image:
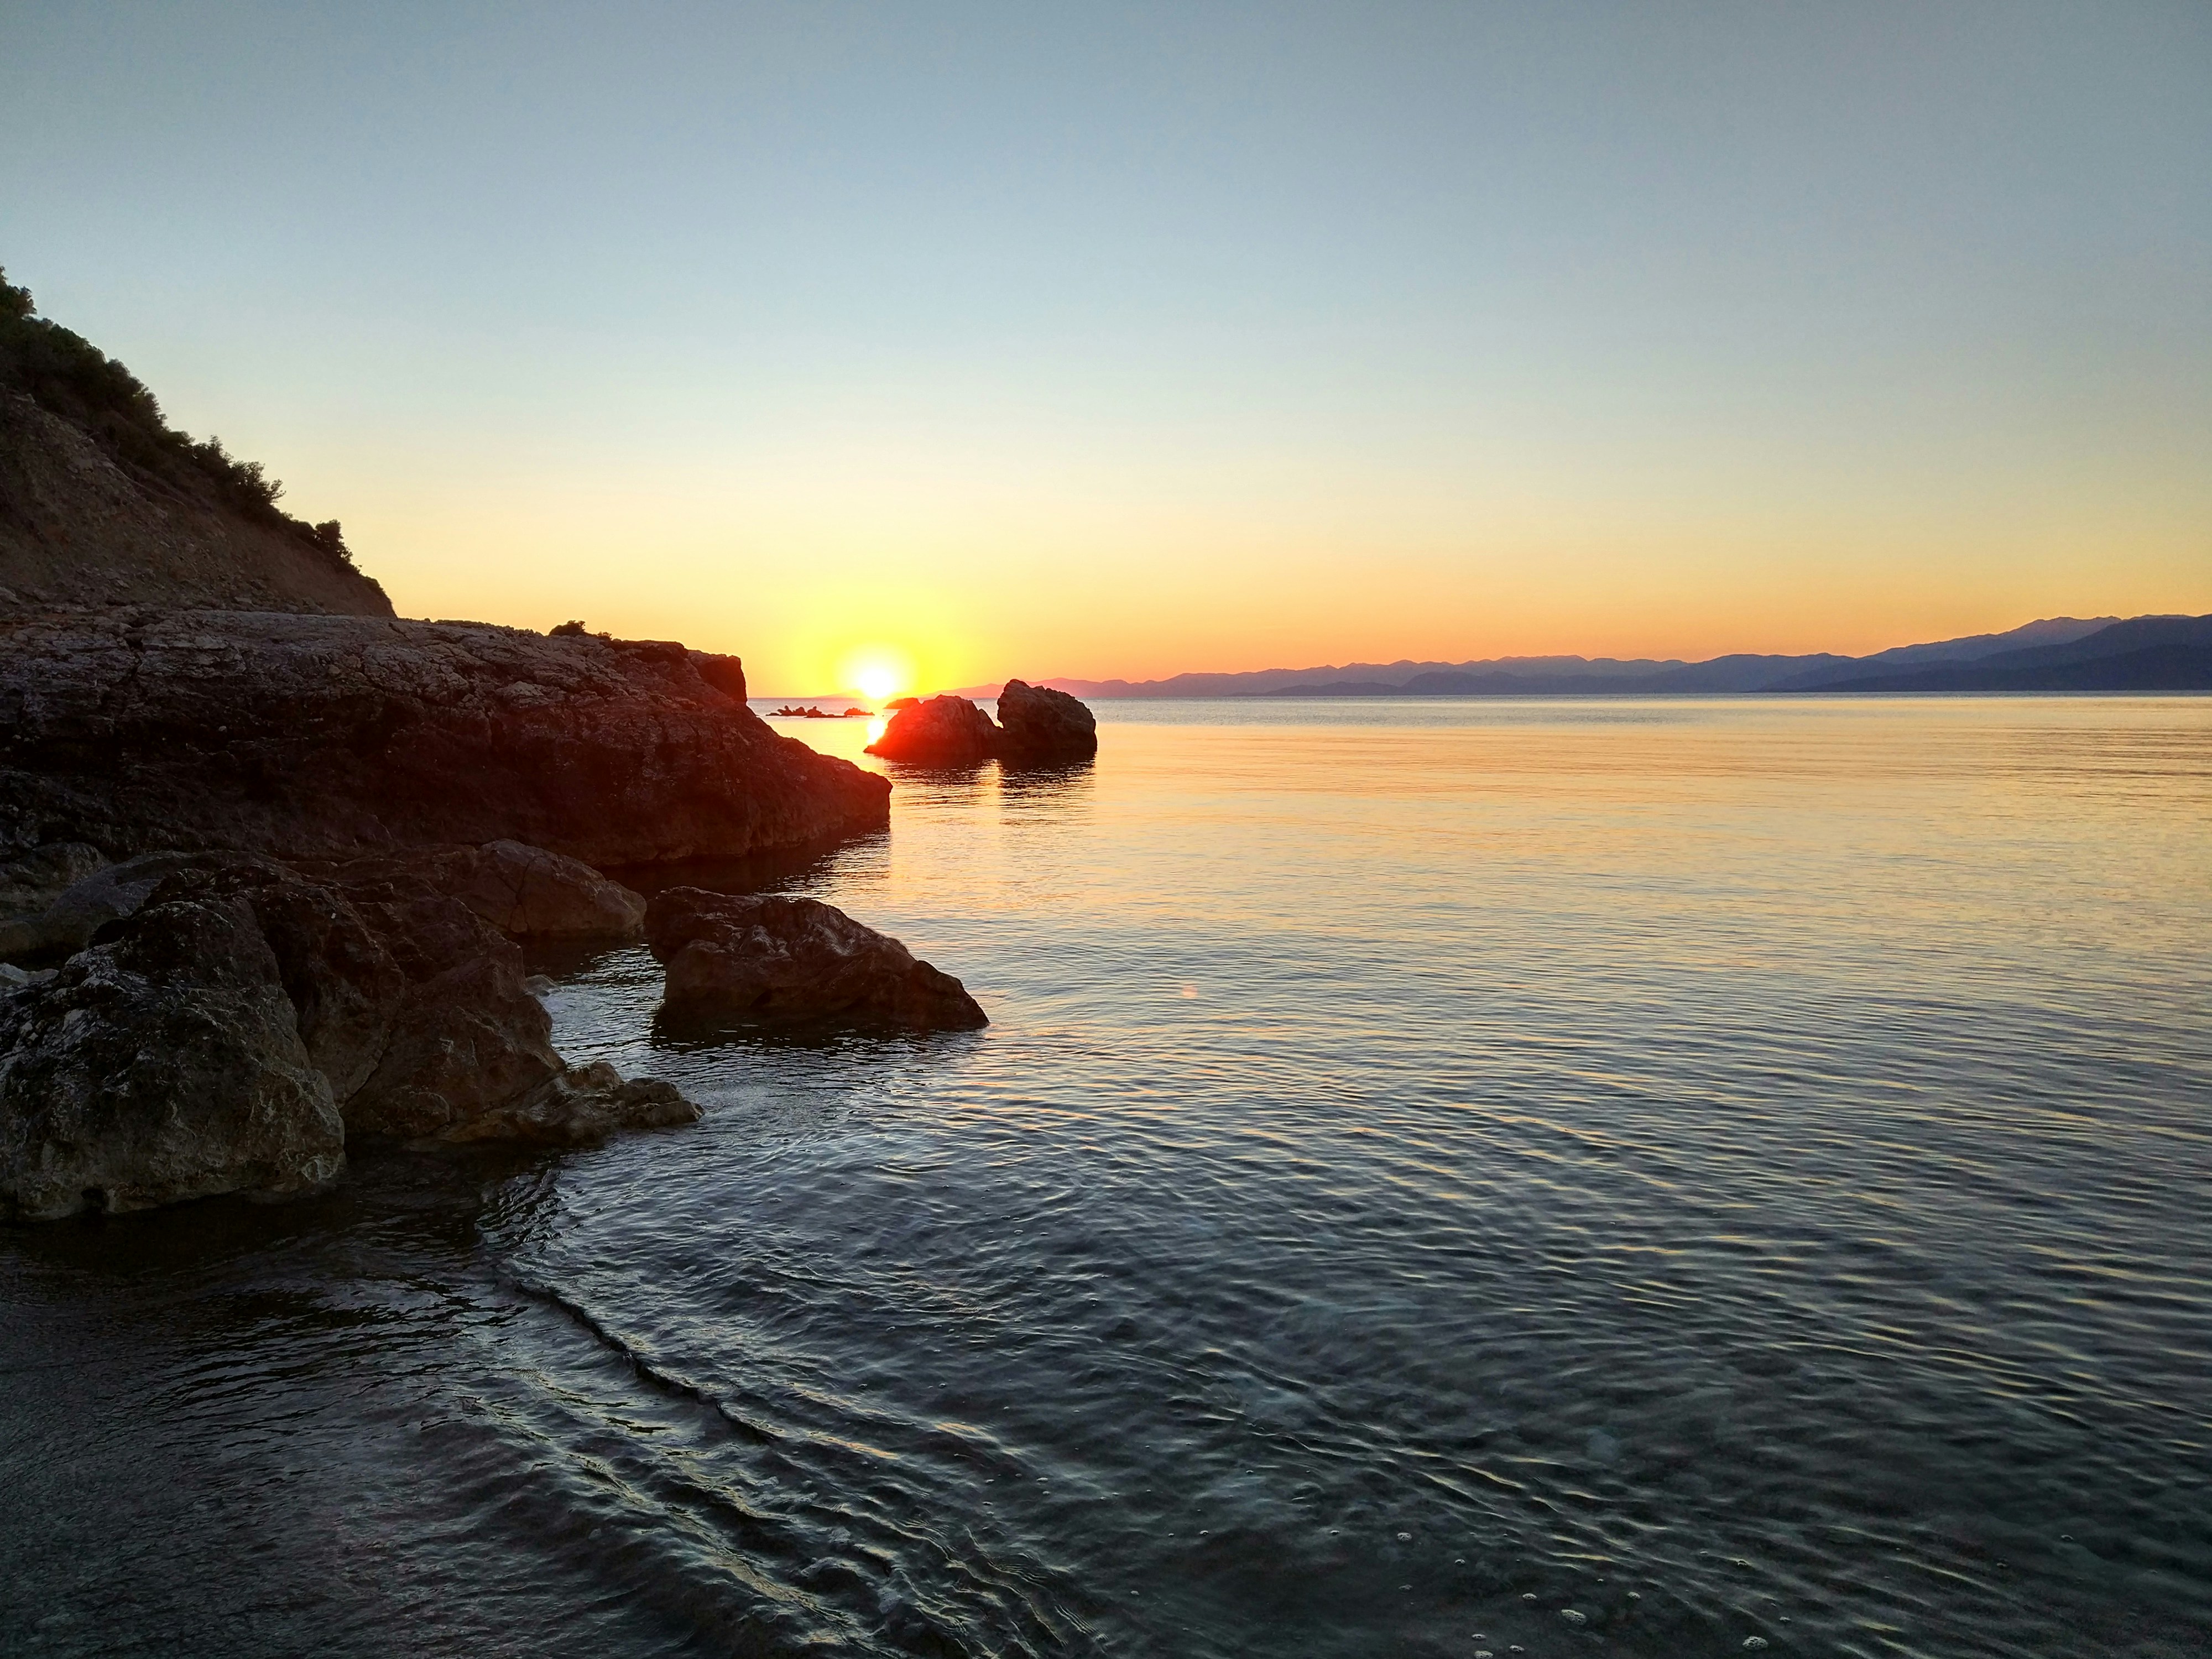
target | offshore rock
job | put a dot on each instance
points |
(1044, 727)
(162, 1066)
(945, 730)
(777, 960)
(326, 737)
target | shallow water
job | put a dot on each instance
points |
(1722, 1169)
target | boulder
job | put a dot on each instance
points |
(945, 730)
(1041, 726)
(330, 737)
(777, 960)
(35, 878)
(235, 1030)
(525, 892)
(581, 1106)
(161, 1066)
(81, 909)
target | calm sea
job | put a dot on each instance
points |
(1655, 1177)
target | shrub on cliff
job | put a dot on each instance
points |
(67, 375)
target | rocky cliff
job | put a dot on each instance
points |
(320, 737)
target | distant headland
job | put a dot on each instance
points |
(2059, 653)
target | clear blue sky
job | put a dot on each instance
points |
(1125, 339)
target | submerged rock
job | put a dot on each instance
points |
(945, 730)
(243, 1023)
(162, 1066)
(1044, 727)
(778, 960)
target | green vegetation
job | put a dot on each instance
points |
(69, 376)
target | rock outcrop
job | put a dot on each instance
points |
(945, 730)
(310, 737)
(240, 1027)
(525, 891)
(1041, 726)
(166, 1065)
(775, 960)
(1037, 726)
(69, 920)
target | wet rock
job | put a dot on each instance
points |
(524, 891)
(581, 1106)
(162, 1066)
(233, 1031)
(1044, 727)
(327, 736)
(778, 960)
(945, 730)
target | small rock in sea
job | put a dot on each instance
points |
(1043, 728)
(943, 731)
(1754, 1641)
(777, 960)
(1577, 1620)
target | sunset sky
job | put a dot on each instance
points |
(1121, 340)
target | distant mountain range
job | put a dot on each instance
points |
(2060, 653)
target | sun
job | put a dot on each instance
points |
(878, 673)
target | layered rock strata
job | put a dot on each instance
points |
(326, 737)
(776, 960)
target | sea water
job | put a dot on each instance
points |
(1443, 1177)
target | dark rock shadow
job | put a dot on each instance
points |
(434, 1201)
(692, 1033)
(755, 872)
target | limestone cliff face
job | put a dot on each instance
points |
(133, 729)
(77, 527)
